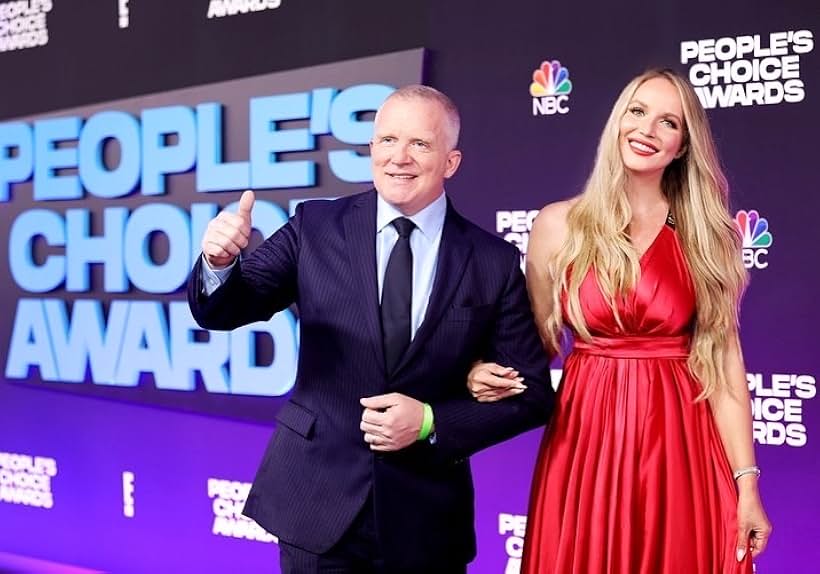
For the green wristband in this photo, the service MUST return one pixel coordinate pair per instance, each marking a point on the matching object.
(426, 422)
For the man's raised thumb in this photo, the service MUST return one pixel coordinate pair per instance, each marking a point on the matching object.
(246, 204)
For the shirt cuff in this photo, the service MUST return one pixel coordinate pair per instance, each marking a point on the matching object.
(212, 279)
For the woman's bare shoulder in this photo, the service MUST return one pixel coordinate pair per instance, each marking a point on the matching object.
(551, 221)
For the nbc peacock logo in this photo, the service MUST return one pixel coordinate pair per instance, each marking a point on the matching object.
(756, 238)
(550, 89)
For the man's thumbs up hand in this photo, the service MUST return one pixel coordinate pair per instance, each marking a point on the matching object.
(228, 233)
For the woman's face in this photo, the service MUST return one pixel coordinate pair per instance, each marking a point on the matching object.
(651, 130)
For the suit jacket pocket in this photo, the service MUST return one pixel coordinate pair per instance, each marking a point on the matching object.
(478, 312)
(297, 418)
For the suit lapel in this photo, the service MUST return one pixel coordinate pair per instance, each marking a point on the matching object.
(360, 233)
(453, 253)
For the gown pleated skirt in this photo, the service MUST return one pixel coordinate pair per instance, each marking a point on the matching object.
(632, 477)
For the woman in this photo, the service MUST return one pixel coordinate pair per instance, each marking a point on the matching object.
(635, 473)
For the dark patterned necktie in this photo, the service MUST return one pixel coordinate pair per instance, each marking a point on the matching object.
(397, 295)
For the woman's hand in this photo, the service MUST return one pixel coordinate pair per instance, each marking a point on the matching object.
(490, 382)
(753, 526)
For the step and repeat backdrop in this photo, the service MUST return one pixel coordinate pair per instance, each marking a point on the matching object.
(129, 436)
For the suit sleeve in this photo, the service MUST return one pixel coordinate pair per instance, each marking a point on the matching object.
(465, 426)
(260, 285)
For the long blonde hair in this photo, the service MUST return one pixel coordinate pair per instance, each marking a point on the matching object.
(697, 192)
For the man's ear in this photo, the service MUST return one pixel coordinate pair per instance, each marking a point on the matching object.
(453, 161)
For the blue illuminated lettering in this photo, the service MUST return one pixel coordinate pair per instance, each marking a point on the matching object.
(48, 185)
(16, 156)
(96, 133)
(211, 174)
(267, 140)
(161, 158)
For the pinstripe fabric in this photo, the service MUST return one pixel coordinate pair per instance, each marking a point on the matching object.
(317, 470)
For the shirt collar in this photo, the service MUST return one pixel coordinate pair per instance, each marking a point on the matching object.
(429, 220)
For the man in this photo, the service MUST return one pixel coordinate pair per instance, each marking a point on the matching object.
(398, 296)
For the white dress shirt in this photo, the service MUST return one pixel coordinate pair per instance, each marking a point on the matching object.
(424, 243)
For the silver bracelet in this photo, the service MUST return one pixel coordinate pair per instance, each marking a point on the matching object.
(755, 470)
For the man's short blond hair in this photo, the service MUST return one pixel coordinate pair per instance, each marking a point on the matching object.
(419, 91)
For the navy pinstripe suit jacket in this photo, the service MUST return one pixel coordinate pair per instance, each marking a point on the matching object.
(317, 471)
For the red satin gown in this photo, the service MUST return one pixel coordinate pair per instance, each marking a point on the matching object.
(632, 477)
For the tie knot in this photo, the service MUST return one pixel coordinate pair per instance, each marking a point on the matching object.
(404, 226)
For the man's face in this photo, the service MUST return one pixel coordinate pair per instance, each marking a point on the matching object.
(410, 153)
